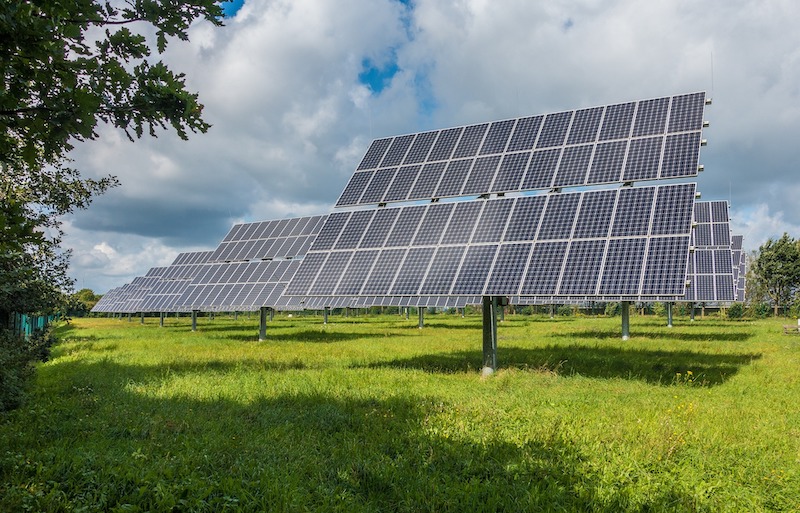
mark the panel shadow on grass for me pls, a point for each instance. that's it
(667, 334)
(295, 451)
(654, 367)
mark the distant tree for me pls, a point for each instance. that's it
(776, 271)
(68, 66)
(82, 302)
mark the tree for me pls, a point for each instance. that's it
(66, 68)
(776, 270)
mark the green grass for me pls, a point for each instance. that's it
(374, 414)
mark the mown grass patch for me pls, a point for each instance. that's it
(374, 414)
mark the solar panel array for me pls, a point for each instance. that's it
(281, 238)
(626, 242)
(711, 271)
(174, 280)
(739, 260)
(643, 140)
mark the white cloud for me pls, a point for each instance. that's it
(291, 120)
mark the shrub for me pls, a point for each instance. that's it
(612, 309)
(736, 311)
(17, 356)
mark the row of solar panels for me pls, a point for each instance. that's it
(566, 266)
(627, 243)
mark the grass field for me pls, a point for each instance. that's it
(374, 414)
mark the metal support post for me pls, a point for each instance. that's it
(407, 309)
(271, 314)
(552, 311)
(262, 324)
(625, 308)
(489, 335)
(325, 315)
(141, 317)
(161, 319)
(691, 312)
(421, 311)
(194, 320)
(669, 315)
(129, 317)
(347, 311)
(235, 315)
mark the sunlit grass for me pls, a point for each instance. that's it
(374, 414)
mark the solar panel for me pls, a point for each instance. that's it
(711, 270)
(281, 238)
(645, 140)
(557, 244)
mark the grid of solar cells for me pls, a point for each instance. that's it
(492, 249)
(739, 263)
(280, 238)
(174, 280)
(713, 277)
(644, 140)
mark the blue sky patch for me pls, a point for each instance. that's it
(230, 8)
(377, 77)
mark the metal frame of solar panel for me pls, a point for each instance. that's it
(642, 140)
(711, 273)
(251, 266)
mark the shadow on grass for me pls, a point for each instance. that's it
(666, 334)
(654, 367)
(294, 451)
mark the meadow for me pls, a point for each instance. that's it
(371, 413)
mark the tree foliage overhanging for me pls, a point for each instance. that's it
(68, 67)
(776, 271)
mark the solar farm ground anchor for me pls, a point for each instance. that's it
(262, 324)
(625, 310)
(490, 306)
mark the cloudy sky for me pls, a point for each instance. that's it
(297, 89)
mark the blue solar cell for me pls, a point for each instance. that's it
(617, 121)
(375, 154)
(524, 221)
(554, 130)
(443, 270)
(433, 224)
(644, 156)
(544, 270)
(497, 137)
(470, 141)
(383, 272)
(719, 212)
(359, 267)
(541, 170)
(330, 231)
(582, 267)
(525, 133)
(559, 216)
(594, 216)
(493, 221)
(474, 271)
(354, 230)
(607, 162)
(482, 174)
(681, 155)
(622, 272)
(673, 210)
(397, 151)
(651, 117)
(509, 267)
(355, 188)
(702, 235)
(379, 229)
(573, 167)
(406, 226)
(454, 177)
(634, 208)
(331, 273)
(427, 181)
(462, 222)
(420, 148)
(512, 169)
(412, 272)
(665, 270)
(445, 144)
(378, 186)
(686, 112)
(585, 126)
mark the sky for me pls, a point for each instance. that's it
(297, 89)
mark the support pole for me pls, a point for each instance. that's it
(421, 311)
(552, 311)
(235, 315)
(625, 308)
(669, 315)
(271, 314)
(262, 324)
(347, 311)
(691, 311)
(141, 317)
(407, 309)
(161, 319)
(194, 320)
(502, 314)
(325, 315)
(489, 335)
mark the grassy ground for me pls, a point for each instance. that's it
(374, 414)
